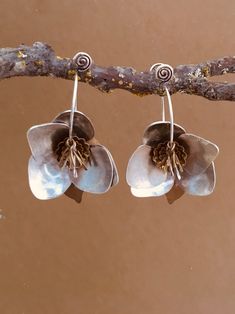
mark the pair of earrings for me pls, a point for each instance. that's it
(66, 157)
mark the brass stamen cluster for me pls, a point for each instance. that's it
(73, 153)
(170, 157)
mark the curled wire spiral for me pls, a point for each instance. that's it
(83, 61)
(163, 72)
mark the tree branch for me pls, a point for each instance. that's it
(40, 60)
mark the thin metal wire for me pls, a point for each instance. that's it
(73, 106)
(163, 109)
(83, 61)
(171, 115)
(164, 73)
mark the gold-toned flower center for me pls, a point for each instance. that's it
(170, 157)
(73, 153)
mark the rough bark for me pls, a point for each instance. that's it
(41, 60)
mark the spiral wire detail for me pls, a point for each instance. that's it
(163, 72)
(83, 61)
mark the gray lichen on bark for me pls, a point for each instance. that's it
(41, 60)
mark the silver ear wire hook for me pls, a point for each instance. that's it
(83, 61)
(163, 109)
(171, 115)
(164, 72)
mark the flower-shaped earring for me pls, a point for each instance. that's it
(171, 161)
(65, 153)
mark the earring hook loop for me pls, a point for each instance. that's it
(164, 72)
(171, 115)
(83, 61)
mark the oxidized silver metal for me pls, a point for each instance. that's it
(171, 159)
(47, 179)
(163, 72)
(198, 176)
(65, 153)
(159, 131)
(83, 61)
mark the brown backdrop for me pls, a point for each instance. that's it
(115, 254)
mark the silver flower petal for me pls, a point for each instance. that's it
(141, 172)
(47, 180)
(158, 190)
(40, 138)
(83, 127)
(160, 132)
(201, 153)
(202, 184)
(99, 174)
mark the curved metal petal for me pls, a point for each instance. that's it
(201, 153)
(158, 190)
(99, 174)
(41, 138)
(202, 184)
(159, 132)
(74, 193)
(83, 127)
(141, 172)
(47, 180)
(115, 179)
(174, 194)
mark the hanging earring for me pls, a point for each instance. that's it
(171, 162)
(65, 154)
